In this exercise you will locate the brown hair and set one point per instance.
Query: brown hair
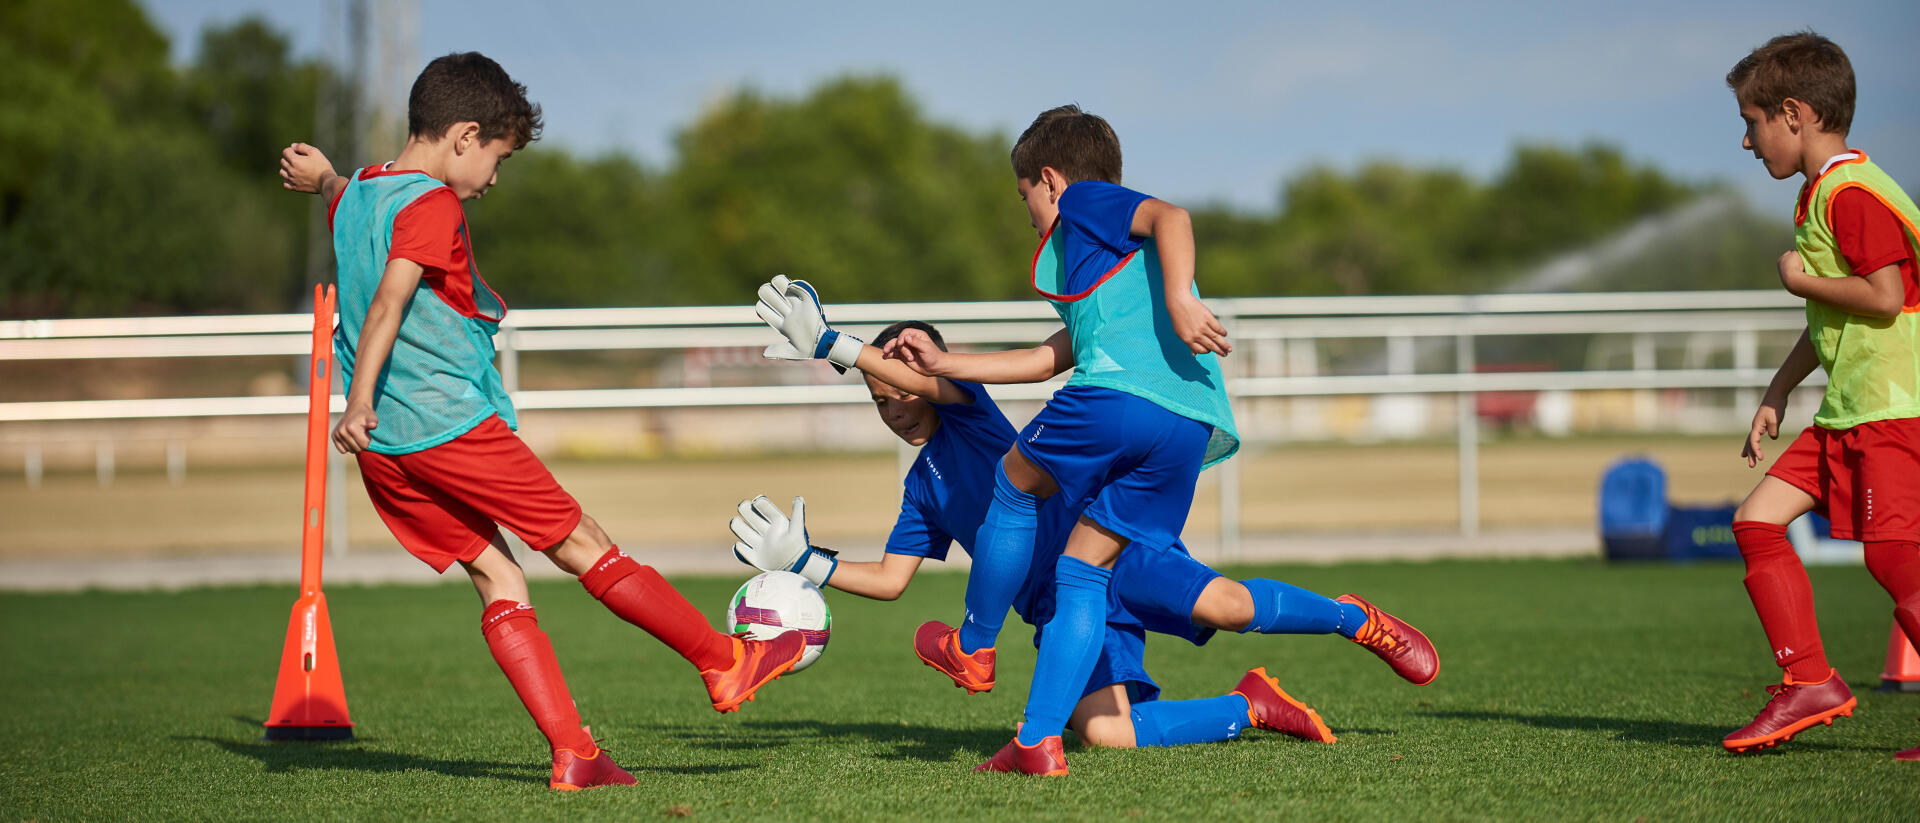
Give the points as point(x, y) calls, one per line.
point(1804, 66)
point(1079, 145)
point(470, 86)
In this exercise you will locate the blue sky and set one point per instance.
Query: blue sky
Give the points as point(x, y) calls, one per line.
point(1213, 101)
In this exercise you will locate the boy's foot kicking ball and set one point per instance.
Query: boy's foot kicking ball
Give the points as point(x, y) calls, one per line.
point(573, 771)
point(1396, 641)
point(1048, 759)
point(938, 645)
point(755, 663)
point(1269, 707)
point(1795, 706)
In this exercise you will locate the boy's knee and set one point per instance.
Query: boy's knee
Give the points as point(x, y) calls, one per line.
point(1107, 732)
point(1224, 604)
point(583, 547)
point(1026, 476)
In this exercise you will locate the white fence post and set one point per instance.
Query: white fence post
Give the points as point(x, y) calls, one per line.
point(1465, 404)
point(103, 462)
point(34, 466)
point(176, 462)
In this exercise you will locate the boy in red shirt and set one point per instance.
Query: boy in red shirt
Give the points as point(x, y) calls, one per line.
point(431, 424)
point(1854, 262)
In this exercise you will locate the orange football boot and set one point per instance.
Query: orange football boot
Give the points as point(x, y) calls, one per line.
point(1049, 759)
point(1794, 707)
point(1270, 707)
point(1396, 641)
point(573, 771)
point(755, 663)
point(938, 645)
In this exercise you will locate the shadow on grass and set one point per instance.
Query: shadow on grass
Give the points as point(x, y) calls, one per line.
point(908, 742)
point(1672, 733)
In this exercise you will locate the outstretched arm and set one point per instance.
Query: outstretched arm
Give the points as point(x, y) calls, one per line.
point(883, 580)
point(902, 376)
point(1800, 362)
point(1033, 365)
point(1171, 228)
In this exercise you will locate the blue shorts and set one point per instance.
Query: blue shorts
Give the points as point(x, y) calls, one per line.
point(1132, 462)
point(1123, 659)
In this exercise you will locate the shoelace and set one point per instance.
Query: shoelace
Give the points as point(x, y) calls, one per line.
point(1376, 634)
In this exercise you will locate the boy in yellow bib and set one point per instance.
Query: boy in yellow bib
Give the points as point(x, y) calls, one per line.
point(1854, 261)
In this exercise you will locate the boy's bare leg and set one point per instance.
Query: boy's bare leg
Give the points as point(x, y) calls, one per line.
point(496, 575)
point(1104, 718)
point(1224, 604)
point(1777, 583)
point(733, 668)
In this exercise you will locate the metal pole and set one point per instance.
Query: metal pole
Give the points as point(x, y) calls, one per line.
point(103, 462)
point(1230, 368)
point(1746, 355)
point(1465, 404)
point(176, 462)
point(34, 466)
point(1643, 360)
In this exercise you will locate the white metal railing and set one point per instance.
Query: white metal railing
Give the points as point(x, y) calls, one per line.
point(1739, 318)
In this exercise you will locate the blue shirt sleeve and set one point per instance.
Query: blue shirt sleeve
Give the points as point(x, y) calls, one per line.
point(1102, 213)
point(915, 536)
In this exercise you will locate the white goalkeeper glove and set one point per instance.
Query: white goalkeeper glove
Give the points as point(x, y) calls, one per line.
point(792, 308)
point(772, 542)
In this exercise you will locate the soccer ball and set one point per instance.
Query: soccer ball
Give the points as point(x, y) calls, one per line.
point(776, 602)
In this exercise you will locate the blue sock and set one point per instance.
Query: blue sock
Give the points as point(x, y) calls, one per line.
point(1179, 722)
point(1283, 608)
point(1002, 551)
point(1068, 648)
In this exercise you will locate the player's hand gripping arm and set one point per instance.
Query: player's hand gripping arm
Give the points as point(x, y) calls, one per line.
point(304, 169)
point(390, 300)
point(1879, 294)
point(1034, 365)
point(1171, 228)
point(1800, 362)
point(768, 540)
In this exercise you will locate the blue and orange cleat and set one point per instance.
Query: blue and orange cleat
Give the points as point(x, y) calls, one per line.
point(1794, 708)
point(1270, 707)
point(573, 771)
point(938, 645)
point(1396, 641)
point(755, 663)
point(1048, 759)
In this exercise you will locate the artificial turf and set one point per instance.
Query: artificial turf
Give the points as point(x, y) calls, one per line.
point(1569, 690)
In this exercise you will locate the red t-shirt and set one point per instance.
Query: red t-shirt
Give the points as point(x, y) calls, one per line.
point(432, 231)
point(1870, 238)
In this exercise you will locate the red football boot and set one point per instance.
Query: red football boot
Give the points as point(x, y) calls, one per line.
point(1270, 707)
point(1910, 754)
point(1794, 707)
point(573, 771)
point(755, 663)
point(1049, 759)
point(938, 645)
point(1396, 641)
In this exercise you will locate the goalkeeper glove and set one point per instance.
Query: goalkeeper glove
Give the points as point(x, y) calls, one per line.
point(792, 308)
point(772, 542)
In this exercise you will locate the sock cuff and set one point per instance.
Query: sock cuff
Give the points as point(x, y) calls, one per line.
point(1759, 527)
point(611, 568)
point(1072, 570)
point(502, 614)
point(1005, 492)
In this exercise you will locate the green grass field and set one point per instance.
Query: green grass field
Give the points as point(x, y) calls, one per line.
point(1569, 690)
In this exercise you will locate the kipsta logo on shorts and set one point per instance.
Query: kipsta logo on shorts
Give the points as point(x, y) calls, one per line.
point(1037, 429)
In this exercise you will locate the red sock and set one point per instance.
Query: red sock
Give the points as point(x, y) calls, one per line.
point(1781, 593)
point(1896, 564)
point(526, 655)
point(639, 595)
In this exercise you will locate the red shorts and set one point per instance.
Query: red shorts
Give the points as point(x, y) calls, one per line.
point(442, 503)
point(1865, 479)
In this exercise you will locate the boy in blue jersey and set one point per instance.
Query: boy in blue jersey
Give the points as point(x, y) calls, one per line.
point(431, 426)
point(1145, 411)
point(962, 435)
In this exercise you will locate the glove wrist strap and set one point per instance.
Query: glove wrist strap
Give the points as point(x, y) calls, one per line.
point(817, 566)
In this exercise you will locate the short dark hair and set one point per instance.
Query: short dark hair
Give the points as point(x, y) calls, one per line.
point(1079, 145)
point(889, 333)
point(470, 86)
point(1803, 66)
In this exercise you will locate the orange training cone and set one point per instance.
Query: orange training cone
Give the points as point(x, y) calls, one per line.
point(309, 701)
point(1903, 664)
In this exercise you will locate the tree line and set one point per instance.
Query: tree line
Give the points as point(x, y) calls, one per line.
point(131, 185)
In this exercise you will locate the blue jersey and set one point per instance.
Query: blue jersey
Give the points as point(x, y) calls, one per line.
point(1095, 231)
